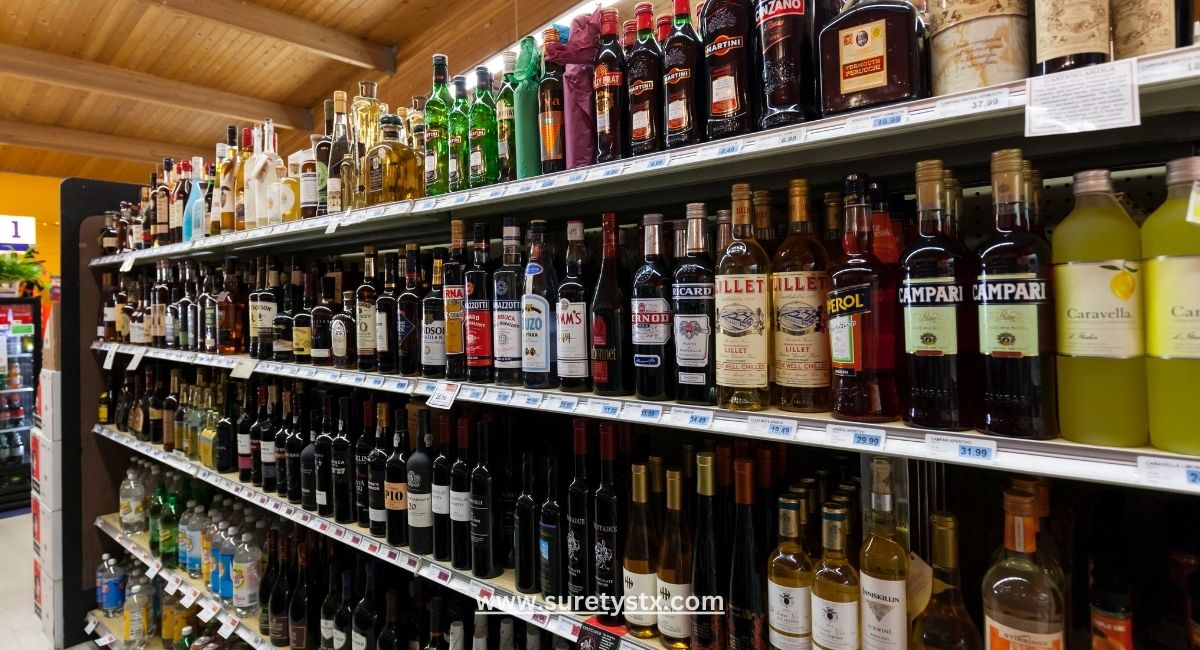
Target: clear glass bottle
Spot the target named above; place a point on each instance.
(640, 556)
(789, 581)
(391, 166)
(743, 311)
(675, 568)
(835, 591)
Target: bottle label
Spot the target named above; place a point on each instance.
(885, 613)
(506, 333)
(743, 330)
(455, 301)
(365, 317)
(651, 321)
(404, 329)
(998, 636)
(460, 506)
(679, 84)
(1143, 28)
(433, 341)
(673, 598)
(395, 496)
(441, 499)
(479, 333)
(1173, 307)
(420, 510)
(245, 583)
(340, 337)
(846, 308)
(835, 625)
(327, 629)
(358, 641)
(302, 340)
(789, 612)
(930, 310)
(551, 123)
(536, 334)
(381, 331)
(339, 638)
(1076, 27)
(692, 331)
(1098, 309)
(375, 173)
(984, 41)
(641, 594)
(297, 636)
(607, 85)
(862, 57)
(310, 196)
(801, 342)
(548, 550)
(572, 339)
(333, 194)
(1113, 630)
(1008, 313)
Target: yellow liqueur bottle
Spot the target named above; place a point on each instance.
(1171, 263)
(674, 569)
(884, 565)
(835, 586)
(1098, 299)
(789, 582)
(641, 551)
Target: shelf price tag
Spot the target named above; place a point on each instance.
(389, 555)
(137, 359)
(565, 627)
(1169, 473)
(971, 103)
(540, 619)
(461, 198)
(547, 183)
(426, 387)
(498, 396)
(443, 395)
(641, 412)
(722, 149)
(843, 435)
(210, 610)
(92, 623)
(786, 139)
(1177, 65)
(482, 592)
(153, 569)
(330, 376)
(424, 205)
(189, 598)
(519, 188)
(659, 161)
(228, 627)
(576, 177)
(562, 403)
(605, 408)
(375, 381)
(606, 172)
(759, 425)
(173, 583)
(896, 117)
(1086, 99)
(442, 575)
(397, 385)
(106, 639)
(244, 368)
(473, 393)
(965, 449)
(110, 357)
(411, 562)
(127, 264)
(528, 399)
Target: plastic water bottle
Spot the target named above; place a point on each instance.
(214, 576)
(195, 563)
(101, 571)
(229, 546)
(137, 613)
(133, 504)
(184, 548)
(246, 578)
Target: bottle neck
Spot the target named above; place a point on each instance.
(652, 243)
(857, 235)
(1020, 534)
(933, 222)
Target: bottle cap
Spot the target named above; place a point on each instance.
(1183, 170)
(550, 35)
(1022, 504)
(1093, 180)
(854, 189)
(1007, 160)
(652, 220)
(696, 211)
(246, 537)
(440, 59)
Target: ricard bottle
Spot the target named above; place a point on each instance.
(743, 312)
(692, 305)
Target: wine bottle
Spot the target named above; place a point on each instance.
(362, 463)
(674, 569)
(323, 460)
(641, 553)
(420, 496)
(259, 423)
(612, 360)
(650, 312)
(884, 566)
(389, 638)
(692, 306)
(606, 512)
(362, 630)
(408, 314)
(539, 323)
(365, 298)
(341, 467)
(743, 309)
(507, 282)
(709, 631)
(747, 611)
(436, 642)
(441, 490)
(945, 623)
(483, 510)
(282, 431)
(578, 521)
(338, 584)
(525, 531)
(789, 581)
(245, 429)
(572, 341)
(1022, 601)
(294, 444)
(433, 323)
(395, 483)
(266, 433)
(376, 469)
(266, 583)
(299, 633)
(281, 596)
(343, 620)
(387, 325)
(460, 498)
(551, 536)
(835, 591)
(308, 464)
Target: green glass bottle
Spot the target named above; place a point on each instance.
(506, 137)
(156, 508)
(168, 532)
(437, 131)
(459, 122)
(484, 156)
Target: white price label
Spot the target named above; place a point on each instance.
(520, 188)
(137, 359)
(473, 393)
(494, 191)
(641, 412)
(659, 161)
(844, 435)
(106, 639)
(722, 149)
(576, 177)
(609, 171)
(972, 103)
(759, 425)
(562, 403)
(110, 357)
(1178, 64)
(547, 183)
(605, 408)
(540, 619)
(442, 575)
(173, 583)
(332, 227)
(153, 569)
(398, 385)
(528, 399)
(91, 625)
(411, 562)
(228, 627)
(244, 368)
(443, 395)
(896, 117)
(127, 264)
(330, 376)
(376, 382)
(308, 373)
(209, 610)
(189, 597)
(964, 449)
(424, 205)
(498, 396)
(460, 198)
(786, 138)
(1169, 472)
(426, 387)
(564, 627)
(1085, 99)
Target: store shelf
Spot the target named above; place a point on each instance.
(193, 591)
(1143, 467)
(23, 389)
(107, 630)
(500, 592)
(1169, 83)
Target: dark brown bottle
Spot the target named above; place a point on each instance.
(550, 112)
(608, 81)
(344, 334)
(875, 52)
(321, 348)
(611, 348)
(645, 65)
(725, 28)
(408, 314)
(683, 81)
(788, 81)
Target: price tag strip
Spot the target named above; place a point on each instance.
(528, 399)
(443, 395)
(562, 403)
(848, 436)
(682, 416)
(1173, 473)
(638, 412)
(605, 408)
(771, 427)
(965, 449)
(473, 393)
(498, 396)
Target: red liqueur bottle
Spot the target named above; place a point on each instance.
(608, 82)
(645, 64)
(724, 24)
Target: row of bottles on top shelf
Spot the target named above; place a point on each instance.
(778, 544)
(1012, 338)
(294, 587)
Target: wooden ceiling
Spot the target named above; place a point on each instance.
(104, 89)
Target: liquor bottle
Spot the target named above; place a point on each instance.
(639, 559)
(945, 623)
(478, 319)
(387, 359)
(279, 600)
(835, 590)
(460, 498)
(362, 630)
(323, 459)
(483, 510)
(674, 574)
(506, 136)
(507, 283)
(441, 489)
(884, 565)
(1066, 40)
(684, 82)
(389, 638)
(343, 334)
(1097, 256)
(454, 297)
(408, 315)
(160, 228)
(331, 157)
(644, 65)
(393, 167)
(270, 305)
(341, 467)
(364, 313)
(653, 352)
(746, 608)
(709, 629)
(1021, 600)
(610, 92)
(789, 581)
(300, 635)
(363, 446)
(308, 463)
(525, 530)
(302, 321)
(862, 319)
(724, 25)
(743, 309)
(283, 343)
(420, 479)
(168, 531)
(338, 584)
(458, 124)
(552, 537)
(321, 347)
(376, 468)
(874, 52)
(433, 323)
(606, 513)
(436, 642)
(612, 358)
(571, 346)
(268, 425)
(539, 323)
(160, 296)
(799, 282)
(482, 146)
(280, 435)
(437, 130)
(551, 125)
(395, 485)
(578, 546)
(692, 306)
(260, 284)
(1016, 317)
(343, 619)
(784, 34)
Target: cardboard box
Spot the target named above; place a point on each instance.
(48, 604)
(50, 404)
(50, 339)
(46, 469)
(47, 537)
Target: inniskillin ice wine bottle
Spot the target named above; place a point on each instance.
(572, 341)
(539, 323)
(454, 301)
(675, 569)
(408, 314)
(692, 306)
(612, 358)
(479, 308)
(433, 323)
(945, 623)
(862, 314)
(883, 563)
(747, 611)
(650, 311)
(709, 628)
(395, 482)
(789, 581)
(578, 520)
(483, 510)
(507, 283)
(525, 531)
(640, 556)
(835, 590)
(743, 312)
(552, 537)
(606, 513)
(420, 497)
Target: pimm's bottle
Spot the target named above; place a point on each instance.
(572, 341)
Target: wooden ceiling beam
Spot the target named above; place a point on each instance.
(301, 33)
(87, 143)
(120, 82)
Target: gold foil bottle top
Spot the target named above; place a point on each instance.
(706, 474)
(1008, 184)
(1092, 180)
(930, 185)
(638, 490)
(1183, 170)
(381, 415)
(945, 540)
(834, 518)
(458, 231)
(674, 490)
(741, 204)
(797, 200)
(656, 474)
(339, 101)
(804, 498)
(789, 516)
(741, 191)
(762, 197)
(549, 35)
(1021, 504)
(1007, 160)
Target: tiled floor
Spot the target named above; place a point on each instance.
(20, 628)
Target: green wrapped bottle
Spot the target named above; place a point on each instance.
(459, 123)
(484, 154)
(156, 508)
(525, 102)
(168, 532)
(506, 139)
(437, 131)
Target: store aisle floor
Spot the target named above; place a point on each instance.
(20, 627)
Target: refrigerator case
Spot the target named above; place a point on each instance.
(20, 364)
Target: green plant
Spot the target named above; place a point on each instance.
(24, 268)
